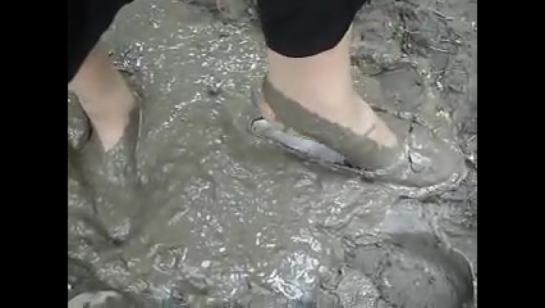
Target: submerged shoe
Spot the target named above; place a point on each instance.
(118, 164)
(111, 180)
(421, 162)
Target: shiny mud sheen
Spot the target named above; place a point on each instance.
(223, 219)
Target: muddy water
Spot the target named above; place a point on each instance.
(223, 218)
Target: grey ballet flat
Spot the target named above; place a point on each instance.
(421, 163)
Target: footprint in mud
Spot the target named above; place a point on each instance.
(417, 273)
(410, 267)
(402, 87)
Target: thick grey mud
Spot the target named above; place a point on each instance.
(222, 219)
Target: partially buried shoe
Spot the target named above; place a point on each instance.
(118, 164)
(419, 165)
(111, 178)
(116, 167)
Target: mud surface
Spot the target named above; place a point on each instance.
(222, 219)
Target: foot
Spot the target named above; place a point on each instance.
(110, 125)
(111, 172)
(112, 146)
(104, 95)
(399, 152)
(108, 154)
(356, 114)
(107, 148)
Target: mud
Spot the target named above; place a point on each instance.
(223, 218)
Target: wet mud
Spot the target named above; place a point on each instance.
(223, 219)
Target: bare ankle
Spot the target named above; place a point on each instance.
(109, 116)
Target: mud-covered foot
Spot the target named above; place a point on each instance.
(377, 147)
(112, 180)
(107, 151)
(117, 163)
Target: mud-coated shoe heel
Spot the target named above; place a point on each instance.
(292, 142)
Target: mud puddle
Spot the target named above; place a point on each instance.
(225, 219)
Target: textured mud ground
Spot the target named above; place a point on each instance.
(225, 219)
